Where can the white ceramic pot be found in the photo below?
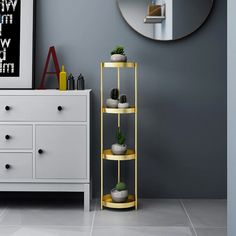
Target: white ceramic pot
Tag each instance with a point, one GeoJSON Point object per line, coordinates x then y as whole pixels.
{"type": "Point", "coordinates": [118, 149]}
{"type": "Point", "coordinates": [119, 196]}
{"type": "Point", "coordinates": [112, 103]}
{"type": "Point", "coordinates": [118, 58]}
{"type": "Point", "coordinates": [123, 105]}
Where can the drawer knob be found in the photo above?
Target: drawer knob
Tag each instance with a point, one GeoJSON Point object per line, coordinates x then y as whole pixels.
{"type": "Point", "coordinates": [7, 137]}
{"type": "Point", "coordinates": [40, 151]}
{"type": "Point", "coordinates": [7, 108]}
{"type": "Point", "coordinates": [7, 166]}
{"type": "Point", "coordinates": [59, 108]}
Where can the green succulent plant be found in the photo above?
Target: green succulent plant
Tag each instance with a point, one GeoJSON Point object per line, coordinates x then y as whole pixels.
{"type": "Point", "coordinates": [120, 137]}
{"type": "Point", "coordinates": [121, 186]}
{"type": "Point", "coordinates": [118, 50]}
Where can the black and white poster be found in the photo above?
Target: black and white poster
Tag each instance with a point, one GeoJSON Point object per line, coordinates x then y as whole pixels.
{"type": "Point", "coordinates": [16, 44]}
{"type": "Point", "coordinates": [10, 11]}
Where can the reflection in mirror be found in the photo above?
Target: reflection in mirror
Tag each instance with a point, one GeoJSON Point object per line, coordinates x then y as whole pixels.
{"type": "Point", "coordinates": [165, 19]}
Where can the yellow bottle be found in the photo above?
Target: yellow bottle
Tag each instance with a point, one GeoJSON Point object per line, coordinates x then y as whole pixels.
{"type": "Point", "coordinates": [63, 79]}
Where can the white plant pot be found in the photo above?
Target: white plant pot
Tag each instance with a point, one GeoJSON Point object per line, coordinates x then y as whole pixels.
{"type": "Point", "coordinates": [123, 105]}
{"type": "Point", "coordinates": [119, 196]}
{"type": "Point", "coordinates": [118, 149]}
{"type": "Point", "coordinates": [112, 103]}
{"type": "Point", "coordinates": [118, 58]}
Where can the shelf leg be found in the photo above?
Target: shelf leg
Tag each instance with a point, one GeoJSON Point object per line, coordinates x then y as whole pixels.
{"type": "Point", "coordinates": [86, 197]}
{"type": "Point", "coordinates": [118, 121]}
{"type": "Point", "coordinates": [118, 171]}
{"type": "Point", "coordinates": [136, 136]}
{"type": "Point", "coordinates": [101, 184]}
{"type": "Point", "coordinates": [118, 86]}
{"type": "Point", "coordinates": [101, 137]}
{"type": "Point", "coordinates": [118, 78]}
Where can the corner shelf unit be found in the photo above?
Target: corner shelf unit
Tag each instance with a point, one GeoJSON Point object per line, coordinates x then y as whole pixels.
{"type": "Point", "coordinates": [131, 155]}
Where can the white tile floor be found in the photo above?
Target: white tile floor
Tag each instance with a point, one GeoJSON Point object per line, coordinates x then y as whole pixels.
{"type": "Point", "coordinates": [154, 218]}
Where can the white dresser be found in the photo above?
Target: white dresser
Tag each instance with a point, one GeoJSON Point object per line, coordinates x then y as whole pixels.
{"type": "Point", "coordinates": [45, 141]}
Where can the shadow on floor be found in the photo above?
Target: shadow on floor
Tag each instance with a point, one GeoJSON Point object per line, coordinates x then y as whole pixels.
{"type": "Point", "coordinates": [41, 199]}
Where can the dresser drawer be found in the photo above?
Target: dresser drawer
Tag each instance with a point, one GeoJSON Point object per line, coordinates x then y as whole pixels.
{"type": "Point", "coordinates": [16, 166]}
{"type": "Point", "coordinates": [43, 108]}
{"type": "Point", "coordinates": [16, 137]}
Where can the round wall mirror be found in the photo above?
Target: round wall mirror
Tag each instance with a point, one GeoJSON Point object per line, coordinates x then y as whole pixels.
{"type": "Point", "coordinates": [165, 19]}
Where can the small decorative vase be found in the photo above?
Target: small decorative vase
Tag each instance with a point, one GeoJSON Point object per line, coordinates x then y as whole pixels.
{"type": "Point", "coordinates": [123, 105]}
{"type": "Point", "coordinates": [119, 196]}
{"type": "Point", "coordinates": [118, 58]}
{"type": "Point", "coordinates": [118, 149]}
{"type": "Point", "coordinates": [112, 103]}
{"type": "Point", "coordinates": [70, 83]}
{"type": "Point", "coordinates": [80, 82]}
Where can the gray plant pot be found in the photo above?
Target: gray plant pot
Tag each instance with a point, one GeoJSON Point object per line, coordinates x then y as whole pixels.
{"type": "Point", "coordinates": [118, 149]}
{"type": "Point", "coordinates": [119, 196]}
{"type": "Point", "coordinates": [112, 103]}
{"type": "Point", "coordinates": [123, 105]}
{"type": "Point", "coordinates": [118, 58]}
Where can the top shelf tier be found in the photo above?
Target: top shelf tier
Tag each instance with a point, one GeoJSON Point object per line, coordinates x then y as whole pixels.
{"type": "Point", "coordinates": [119, 64]}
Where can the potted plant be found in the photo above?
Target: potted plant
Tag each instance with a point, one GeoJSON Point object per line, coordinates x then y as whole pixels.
{"type": "Point", "coordinates": [119, 194]}
{"type": "Point", "coordinates": [113, 101]}
{"type": "Point", "coordinates": [123, 102]}
{"type": "Point", "coordinates": [118, 54]}
{"type": "Point", "coordinates": [120, 147]}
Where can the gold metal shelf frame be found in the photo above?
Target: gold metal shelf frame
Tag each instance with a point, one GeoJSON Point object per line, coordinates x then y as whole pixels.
{"type": "Point", "coordinates": [119, 110]}
{"type": "Point", "coordinates": [106, 200]}
{"type": "Point", "coordinates": [118, 64]}
{"type": "Point", "coordinates": [107, 155]}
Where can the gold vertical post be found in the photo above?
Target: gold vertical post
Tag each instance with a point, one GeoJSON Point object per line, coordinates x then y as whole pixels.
{"type": "Point", "coordinates": [136, 136]}
{"type": "Point", "coordinates": [118, 86]}
{"type": "Point", "coordinates": [101, 136]}
{"type": "Point", "coordinates": [118, 171]}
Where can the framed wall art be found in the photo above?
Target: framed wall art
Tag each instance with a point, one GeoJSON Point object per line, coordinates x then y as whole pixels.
{"type": "Point", "coordinates": [16, 44]}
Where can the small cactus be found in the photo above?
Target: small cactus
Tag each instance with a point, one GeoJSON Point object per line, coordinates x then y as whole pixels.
{"type": "Point", "coordinates": [121, 186]}
{"type": "Point", "coordinates": [120, 137]}
{"type": "Point", "coordinates": [123, 99]}
{"type": "Point", "coordinates": [115, 94]}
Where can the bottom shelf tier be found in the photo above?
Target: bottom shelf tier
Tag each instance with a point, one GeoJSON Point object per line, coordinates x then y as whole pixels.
{"type": "Point", "coordinates": [107, 202]}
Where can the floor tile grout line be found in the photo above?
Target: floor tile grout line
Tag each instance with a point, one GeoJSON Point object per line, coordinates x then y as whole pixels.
{"type": "Point", "coordinates": [89, 227]}
{"type": "Point", "coordinates": [46, 226]}
{"type": "Point", "coordinates": [191, 223]}
{"type": "Point", "coordinates": [141, 227]}
{"type": "Point", "coordinates": [95, 209]}
{"type": "Point", "coordinates": [210, 227]}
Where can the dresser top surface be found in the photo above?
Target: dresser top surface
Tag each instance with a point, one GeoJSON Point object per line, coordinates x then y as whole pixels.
{"type": "Point", "coordinates": [46, 92]}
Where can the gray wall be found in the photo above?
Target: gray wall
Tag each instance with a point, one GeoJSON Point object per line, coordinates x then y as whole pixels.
{"type": "Point", "coordinates": [182, 94]}
{"type": "Point", "coordinates": [188, 15]}
{"type": "Point", "coordinates": [231, 119]}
